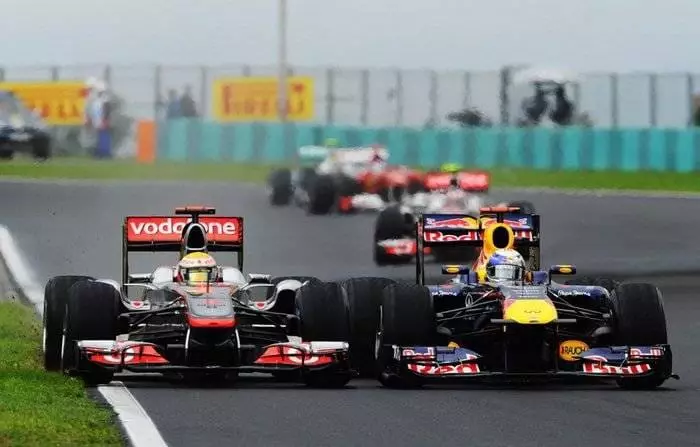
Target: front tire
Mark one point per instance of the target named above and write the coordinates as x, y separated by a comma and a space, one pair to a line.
364, 297
640, 320
55, 301
280, 184
92, 310
407, 319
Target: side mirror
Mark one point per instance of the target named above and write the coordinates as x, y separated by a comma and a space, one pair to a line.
562, 269
455, 270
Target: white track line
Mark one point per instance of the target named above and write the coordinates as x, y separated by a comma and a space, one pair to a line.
139, 427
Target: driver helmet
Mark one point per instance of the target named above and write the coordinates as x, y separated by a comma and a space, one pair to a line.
506, 266
332, 142
455, 194
197, 268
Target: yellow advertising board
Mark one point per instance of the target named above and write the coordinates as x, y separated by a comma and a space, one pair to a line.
59, 102
255, 99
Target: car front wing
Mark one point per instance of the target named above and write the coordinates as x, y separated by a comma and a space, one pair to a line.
445, 362
144, 357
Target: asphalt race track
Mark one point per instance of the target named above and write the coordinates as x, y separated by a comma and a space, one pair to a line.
76, 229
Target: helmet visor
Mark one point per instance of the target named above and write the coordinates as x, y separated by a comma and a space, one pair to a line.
504, 272
200, 275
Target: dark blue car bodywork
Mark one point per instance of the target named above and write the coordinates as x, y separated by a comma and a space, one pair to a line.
21, 130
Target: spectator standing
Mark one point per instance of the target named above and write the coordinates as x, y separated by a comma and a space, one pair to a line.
173, 106
188, 107
563, 108
97, 119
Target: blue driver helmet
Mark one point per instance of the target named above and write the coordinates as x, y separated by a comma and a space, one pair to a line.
506, 266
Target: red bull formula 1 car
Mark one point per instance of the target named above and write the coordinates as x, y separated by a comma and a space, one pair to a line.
155, 323
535, 328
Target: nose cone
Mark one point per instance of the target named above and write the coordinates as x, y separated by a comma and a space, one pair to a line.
530, 311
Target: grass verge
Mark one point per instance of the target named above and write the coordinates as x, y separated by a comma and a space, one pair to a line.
38, 408
126, 170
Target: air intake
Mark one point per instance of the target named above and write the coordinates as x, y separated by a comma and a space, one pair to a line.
194, 238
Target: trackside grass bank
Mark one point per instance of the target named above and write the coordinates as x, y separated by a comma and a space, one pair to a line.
39, 408
67, 168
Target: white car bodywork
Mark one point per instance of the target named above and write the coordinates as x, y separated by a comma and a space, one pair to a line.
162, 276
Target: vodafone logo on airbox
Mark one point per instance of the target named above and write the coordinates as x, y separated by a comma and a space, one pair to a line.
169, 229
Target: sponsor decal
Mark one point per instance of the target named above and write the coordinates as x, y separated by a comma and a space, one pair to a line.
570, 349
439, 236
256, 99
169, 229
573, 293
458, 223
59, 103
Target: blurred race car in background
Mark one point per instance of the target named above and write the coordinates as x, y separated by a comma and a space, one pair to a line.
21, 130
446, 193
215, 327
342, 179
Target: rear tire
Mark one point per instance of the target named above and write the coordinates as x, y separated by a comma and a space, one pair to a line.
364, 297
322, 311
92, 310
55, 300
321, 195
640, 321
391, 224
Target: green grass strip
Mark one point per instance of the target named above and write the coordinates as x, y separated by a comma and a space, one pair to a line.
71, 168
38, 408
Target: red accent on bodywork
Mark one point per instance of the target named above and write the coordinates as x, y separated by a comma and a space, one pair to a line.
127, 353
345, 203
292, 356
214, 323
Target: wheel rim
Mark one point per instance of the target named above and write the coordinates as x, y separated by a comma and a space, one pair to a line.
63, 339
378, 336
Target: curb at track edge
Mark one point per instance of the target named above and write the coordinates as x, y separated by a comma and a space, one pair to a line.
134, 422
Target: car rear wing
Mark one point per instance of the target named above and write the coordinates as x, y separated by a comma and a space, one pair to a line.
192, 228
493, 228
473, 181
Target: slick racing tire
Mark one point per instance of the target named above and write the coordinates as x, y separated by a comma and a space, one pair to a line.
41, 148
55, 299
321, 195
364, 297
280, 184
391, 224
407, 318
640, 320
322, 311
92, 310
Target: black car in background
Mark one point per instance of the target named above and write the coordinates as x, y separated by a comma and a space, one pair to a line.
21, 130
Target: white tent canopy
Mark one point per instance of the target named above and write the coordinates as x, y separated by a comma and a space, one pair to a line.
531, 75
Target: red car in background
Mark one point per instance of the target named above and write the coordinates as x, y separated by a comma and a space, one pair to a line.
346, 180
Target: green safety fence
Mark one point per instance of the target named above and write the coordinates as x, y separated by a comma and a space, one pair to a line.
571, 148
